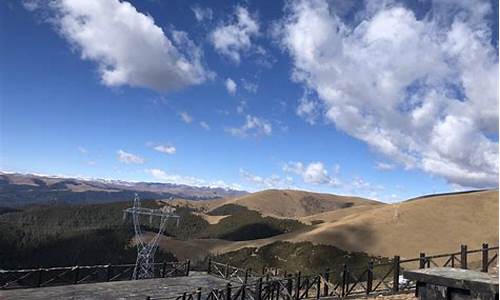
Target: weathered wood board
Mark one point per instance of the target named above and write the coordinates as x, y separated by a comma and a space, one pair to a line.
139, 289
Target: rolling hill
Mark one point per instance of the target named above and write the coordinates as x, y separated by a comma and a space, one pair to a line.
434, 224
292, 204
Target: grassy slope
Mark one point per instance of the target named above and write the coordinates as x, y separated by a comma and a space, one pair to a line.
284, 203
433, 224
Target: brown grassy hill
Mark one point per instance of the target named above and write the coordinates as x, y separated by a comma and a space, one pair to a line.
292, 204
436, 224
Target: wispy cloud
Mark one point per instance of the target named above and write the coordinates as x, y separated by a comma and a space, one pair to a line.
249, 86
204, 125
233, 38
384, 166
185, 117
129, 158
163, 176
167, 149
273, 181
202, 13
82, 150
253, 126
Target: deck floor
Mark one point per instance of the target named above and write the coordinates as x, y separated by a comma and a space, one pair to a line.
140, 289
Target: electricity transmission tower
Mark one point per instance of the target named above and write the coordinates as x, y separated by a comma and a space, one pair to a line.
144, 265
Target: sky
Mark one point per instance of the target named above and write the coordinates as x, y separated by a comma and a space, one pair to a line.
381, 99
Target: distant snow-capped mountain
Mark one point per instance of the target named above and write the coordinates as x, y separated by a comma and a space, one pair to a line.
19, 189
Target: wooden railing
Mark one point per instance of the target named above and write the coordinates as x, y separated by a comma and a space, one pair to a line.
345, 282
41, 277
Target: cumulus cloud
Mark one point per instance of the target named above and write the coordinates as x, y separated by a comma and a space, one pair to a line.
185, 117
236, 37
253, 126
127, 46
129, 158
167, 149
422, 91
231, 86
201, 13
314, 173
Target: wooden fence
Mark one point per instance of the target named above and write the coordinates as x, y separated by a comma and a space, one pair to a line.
41, 277
374, 279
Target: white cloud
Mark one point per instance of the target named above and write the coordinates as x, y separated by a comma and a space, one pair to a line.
249, 86
313, 173
423, 92
201, 13
185, 117
253, 126
163, 176
271, 182
308, 110
129, 158
167, 149
231, 39
82, 150
384, 166
205, 125
231, 86
127, 46
241, 107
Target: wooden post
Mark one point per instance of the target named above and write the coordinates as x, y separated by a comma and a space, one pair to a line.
289, 286
318, 286
485, 258
188, 266
463, 256
344, 279
209, 265
395, 278
164, 269
259, 289
245, 280
75, 280
422, 260
226, 271
297, 286
307, 286
243, 290
198, 294
228, 291
39, 278
453, 261
369, 278
108, 272
327, 279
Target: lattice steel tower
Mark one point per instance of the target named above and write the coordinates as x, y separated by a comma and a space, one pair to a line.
144, 265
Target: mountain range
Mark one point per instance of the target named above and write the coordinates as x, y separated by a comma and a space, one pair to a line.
23, 189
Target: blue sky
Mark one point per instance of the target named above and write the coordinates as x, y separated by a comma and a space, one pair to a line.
387, 101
